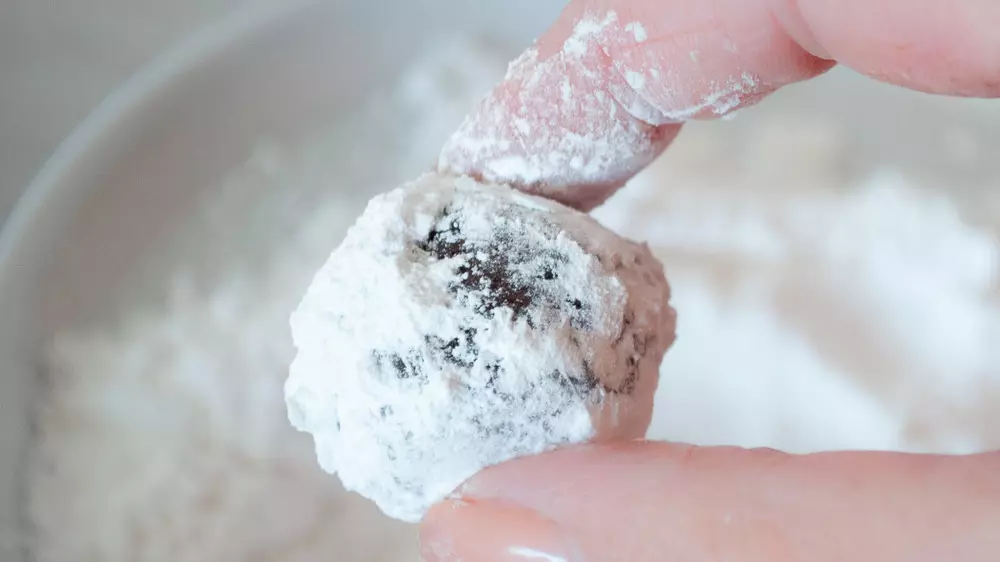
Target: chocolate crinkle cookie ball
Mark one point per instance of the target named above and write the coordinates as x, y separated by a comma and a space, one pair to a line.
460, 325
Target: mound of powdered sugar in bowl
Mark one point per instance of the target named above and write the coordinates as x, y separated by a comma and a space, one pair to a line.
815, 312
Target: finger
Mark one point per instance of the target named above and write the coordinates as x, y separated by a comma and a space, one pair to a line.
645, 501
564, 123
592, 104
946, 47
694, 58
703, 58
603, 92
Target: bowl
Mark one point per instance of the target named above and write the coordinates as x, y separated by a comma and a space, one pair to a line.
80, 240
171, 132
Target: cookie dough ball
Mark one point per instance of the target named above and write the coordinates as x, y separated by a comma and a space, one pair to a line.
460, 325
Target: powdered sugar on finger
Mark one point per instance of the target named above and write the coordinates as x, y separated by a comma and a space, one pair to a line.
568, 126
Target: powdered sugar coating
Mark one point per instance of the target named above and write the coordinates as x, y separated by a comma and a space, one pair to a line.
567, 126
460, 325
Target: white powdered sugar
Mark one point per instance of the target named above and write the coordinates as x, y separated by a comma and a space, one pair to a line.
460, 325
722, 100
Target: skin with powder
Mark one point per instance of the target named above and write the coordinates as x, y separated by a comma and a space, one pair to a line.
663, 63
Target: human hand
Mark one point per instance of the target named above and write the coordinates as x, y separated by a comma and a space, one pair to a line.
655, 501
613, 79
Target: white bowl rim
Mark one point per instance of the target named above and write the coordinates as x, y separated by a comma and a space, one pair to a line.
117, 108
33, 216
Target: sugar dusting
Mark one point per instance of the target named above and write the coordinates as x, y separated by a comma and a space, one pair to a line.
580, 117
528, 553
722, 100
569, 119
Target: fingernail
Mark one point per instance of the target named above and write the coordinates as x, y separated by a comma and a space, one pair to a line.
493, 531
629, 95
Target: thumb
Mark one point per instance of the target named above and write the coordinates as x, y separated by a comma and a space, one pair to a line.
646, 501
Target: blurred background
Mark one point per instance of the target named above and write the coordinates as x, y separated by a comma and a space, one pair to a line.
59, 58
833, 254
